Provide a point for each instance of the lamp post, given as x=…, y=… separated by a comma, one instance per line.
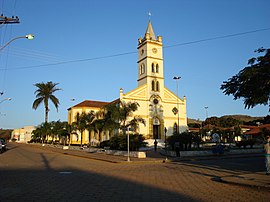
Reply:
x=177, y=78
x=28, y=36
x=165, y=131
x=128, y=153
x=206, y=112
x=5, y=100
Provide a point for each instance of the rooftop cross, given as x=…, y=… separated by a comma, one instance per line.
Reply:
x=149, y=15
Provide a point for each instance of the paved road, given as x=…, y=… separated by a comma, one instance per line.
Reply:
x=33, y=173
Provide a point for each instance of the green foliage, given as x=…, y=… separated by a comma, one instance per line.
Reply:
x=105, y=143
x=265, y=132
x=84, y=121
x=5, y=134
x=194, y=125
x=184, y=139
x=252, y=83
x=119, y=142
x=44, y=94
x=118, y=113
x=41, y=132
x=245, y=143
x=222, y=122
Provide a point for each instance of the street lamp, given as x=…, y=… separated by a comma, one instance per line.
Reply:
x=128, y=157
x=5, y=100
x=206, y=112
x=165, y=131
x=28, y=36
x=177, y=78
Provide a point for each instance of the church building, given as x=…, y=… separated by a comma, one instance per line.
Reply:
x=158, y=106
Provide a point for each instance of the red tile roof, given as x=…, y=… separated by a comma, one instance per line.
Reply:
x=90, y=103
x=257, y=129
x=93, y=103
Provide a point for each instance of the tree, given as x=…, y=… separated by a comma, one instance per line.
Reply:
x=117, y=116
x=84, y=122
x=125, y=111
x=67, y=131
x=252, y=83
x=44, y=93
x=42, y=131
x=56, y=129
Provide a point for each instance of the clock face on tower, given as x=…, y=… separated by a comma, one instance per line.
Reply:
x=142, y=51
x=155, y=101
x=154, y=50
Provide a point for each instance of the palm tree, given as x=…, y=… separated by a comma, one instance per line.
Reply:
x=117, y=116
x=56, y=129
x=68, y=131
x=125, y=111
x=44, y=93
x=83, y=122
x=42, y=131
x=134, y=123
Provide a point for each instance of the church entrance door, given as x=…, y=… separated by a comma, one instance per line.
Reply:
x=156, y=131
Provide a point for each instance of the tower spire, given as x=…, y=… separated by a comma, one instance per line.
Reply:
x=150, y=31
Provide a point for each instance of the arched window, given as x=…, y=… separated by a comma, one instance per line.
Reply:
x=157, y=68
x=157, y=86
x=153, y=85
x=153, y=67
x=142, y=68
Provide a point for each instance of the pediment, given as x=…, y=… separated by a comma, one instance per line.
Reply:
x=137, y=93
x=169, y=96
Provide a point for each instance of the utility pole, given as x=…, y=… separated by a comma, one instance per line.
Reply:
x=7, y=20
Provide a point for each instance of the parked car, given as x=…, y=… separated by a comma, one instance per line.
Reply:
x=3, y=145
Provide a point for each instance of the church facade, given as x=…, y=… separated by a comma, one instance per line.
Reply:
x=158, y=106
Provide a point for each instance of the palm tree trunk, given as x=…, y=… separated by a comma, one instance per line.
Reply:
x=46, y=114
x=81, y=138
x=69, y=140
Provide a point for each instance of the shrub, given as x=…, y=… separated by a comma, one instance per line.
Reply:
x=120, y=142
x=105, y=143
x=184, y=139
x=245, y=143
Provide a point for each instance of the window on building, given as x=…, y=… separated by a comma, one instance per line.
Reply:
x=157, y=68
x=157, y=86
x=142, y=68
x=153, y=67
x=153, y=85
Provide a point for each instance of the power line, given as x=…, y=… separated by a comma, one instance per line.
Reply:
x=218, y=37
x=134, y=52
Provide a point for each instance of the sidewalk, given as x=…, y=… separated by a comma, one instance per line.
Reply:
x=252, y=179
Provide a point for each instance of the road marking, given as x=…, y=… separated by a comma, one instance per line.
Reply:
x=65, y=172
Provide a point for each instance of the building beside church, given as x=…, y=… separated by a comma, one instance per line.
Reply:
x=22, y=135
x=158, y=106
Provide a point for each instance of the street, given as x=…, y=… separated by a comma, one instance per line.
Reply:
x=35, y=173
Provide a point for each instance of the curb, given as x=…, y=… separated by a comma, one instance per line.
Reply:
x=245, y=182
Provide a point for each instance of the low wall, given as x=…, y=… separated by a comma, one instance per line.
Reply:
x=136, y=154
x=210, y=153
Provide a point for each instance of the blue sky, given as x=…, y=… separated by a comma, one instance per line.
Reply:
x=83, y=30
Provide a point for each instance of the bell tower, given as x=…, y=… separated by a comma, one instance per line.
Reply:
x=150, y=61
